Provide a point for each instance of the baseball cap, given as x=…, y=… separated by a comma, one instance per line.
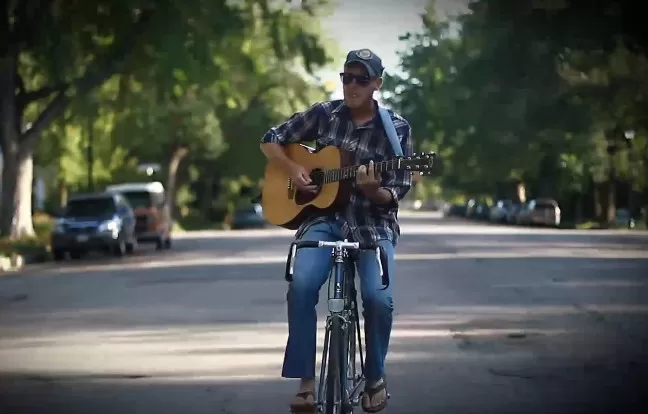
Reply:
x=368, y=59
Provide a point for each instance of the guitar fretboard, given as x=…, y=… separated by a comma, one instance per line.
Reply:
x=344, y=173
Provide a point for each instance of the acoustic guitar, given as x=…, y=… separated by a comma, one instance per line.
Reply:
x=286, y=206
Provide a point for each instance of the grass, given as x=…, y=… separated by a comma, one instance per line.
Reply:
x=587, y=225
x=193, y=221
x=35, y=248
x=593, y=225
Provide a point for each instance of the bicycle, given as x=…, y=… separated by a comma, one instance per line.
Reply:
x=340, y=386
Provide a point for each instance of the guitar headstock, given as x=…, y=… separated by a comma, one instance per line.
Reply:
x=421, y=163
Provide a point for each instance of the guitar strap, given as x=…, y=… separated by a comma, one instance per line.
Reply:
x=390, y=130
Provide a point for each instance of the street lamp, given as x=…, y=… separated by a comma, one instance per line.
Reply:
x=629, y=136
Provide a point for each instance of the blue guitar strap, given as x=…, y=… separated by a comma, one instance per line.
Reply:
x=390, y=130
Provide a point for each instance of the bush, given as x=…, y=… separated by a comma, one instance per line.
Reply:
x=36, y=248
x=194, y=221
x=32, y=248
x=43, y=224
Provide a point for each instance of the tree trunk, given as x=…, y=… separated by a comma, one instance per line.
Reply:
x=17, y=157
x=207, y=197
x=17, y=182
x=604, y=195
x=578, y=216
x=521, y=193
x=177, y=155
x=610, y=212
x=62, y=193
x=598, y=203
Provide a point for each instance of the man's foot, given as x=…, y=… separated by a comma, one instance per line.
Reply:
x=374, y=398
x=304, y=400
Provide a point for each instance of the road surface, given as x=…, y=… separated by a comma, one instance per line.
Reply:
x=488, y=320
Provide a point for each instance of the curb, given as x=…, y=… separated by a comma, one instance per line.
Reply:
x=11, y=263
x=17, y=263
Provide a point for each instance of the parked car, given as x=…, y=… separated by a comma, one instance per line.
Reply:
x=545, y=212
x=482, y=211
x=153, y=223
x=471, y=207
x=94, y=222
x=249, y=217
x=455, y=210
x=500, y=211
x=512, y=213
x=477, y=209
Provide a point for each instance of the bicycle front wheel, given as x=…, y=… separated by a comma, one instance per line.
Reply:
x=336, y=371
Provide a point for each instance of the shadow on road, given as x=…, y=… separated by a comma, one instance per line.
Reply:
x=441, y=385
x=485, y=322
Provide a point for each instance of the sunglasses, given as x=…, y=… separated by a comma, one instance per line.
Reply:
x=348, y=78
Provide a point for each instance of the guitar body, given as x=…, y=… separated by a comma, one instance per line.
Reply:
x=287, y=207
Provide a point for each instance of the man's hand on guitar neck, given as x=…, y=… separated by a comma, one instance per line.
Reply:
x=368, y=181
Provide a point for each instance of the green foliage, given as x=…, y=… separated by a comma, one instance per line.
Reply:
x=515, y=91
x=145, y=82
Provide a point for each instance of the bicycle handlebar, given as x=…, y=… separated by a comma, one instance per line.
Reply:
x=381, y=255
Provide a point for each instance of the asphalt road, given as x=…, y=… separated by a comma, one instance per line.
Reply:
x=488, y=320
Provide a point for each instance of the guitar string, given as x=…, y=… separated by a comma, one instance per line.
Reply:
x=337, y=174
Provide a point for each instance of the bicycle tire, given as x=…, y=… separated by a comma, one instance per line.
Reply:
x=334, y=382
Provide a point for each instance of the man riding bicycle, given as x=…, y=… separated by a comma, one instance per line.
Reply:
x=354, y=125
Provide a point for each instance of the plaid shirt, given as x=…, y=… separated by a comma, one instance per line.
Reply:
x=330, y=123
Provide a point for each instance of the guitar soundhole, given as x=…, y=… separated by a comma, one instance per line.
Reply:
x=303, y=197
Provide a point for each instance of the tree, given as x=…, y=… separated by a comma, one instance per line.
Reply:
x=519, y=92
x=42, y=45
x=59, y=53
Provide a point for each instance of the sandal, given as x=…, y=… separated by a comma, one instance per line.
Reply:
x=371, y=393
x=306, y=405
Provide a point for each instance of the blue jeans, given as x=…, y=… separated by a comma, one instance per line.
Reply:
x=311, y=270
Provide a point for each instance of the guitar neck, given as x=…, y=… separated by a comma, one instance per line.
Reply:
x=346, y=173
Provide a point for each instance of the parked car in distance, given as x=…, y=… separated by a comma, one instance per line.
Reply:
x=248, y=216
x=500, y=211
x=512, y=213
x=471, y=206
x=455, y=210
x=94, y=222
x=153, y=223
x=482, y=211
x=542, y=211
